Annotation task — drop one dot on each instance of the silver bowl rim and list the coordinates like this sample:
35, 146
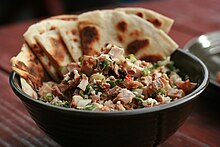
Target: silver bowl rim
196, 39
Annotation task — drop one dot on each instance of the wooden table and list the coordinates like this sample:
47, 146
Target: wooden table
192, 18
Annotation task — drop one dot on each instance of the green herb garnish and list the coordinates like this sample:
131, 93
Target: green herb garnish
81, 60
81, 93
139, 100
131, 57
104, 65
62, 103
170, 66
49, 97
90, 106
113, 83
88, 89
146, 71
140, 87
155, 65
161, 91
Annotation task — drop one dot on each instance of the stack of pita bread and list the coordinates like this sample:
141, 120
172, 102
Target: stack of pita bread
51, 44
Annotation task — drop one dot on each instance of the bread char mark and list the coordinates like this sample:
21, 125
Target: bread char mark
88, 36
151, 57
139, 14
122, 26
157, 23
137, 45
120, 38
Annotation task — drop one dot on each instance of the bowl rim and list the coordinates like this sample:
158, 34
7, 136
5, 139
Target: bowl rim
192, 41
158, 108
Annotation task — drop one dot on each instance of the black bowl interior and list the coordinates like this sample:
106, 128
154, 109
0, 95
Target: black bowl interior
152, 125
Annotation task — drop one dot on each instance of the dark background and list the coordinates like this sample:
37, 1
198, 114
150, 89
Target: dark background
20, 10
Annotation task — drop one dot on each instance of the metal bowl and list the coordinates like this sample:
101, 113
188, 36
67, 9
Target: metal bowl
207, 48
139, 127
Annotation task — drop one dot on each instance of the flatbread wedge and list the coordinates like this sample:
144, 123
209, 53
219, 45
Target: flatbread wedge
64, 17
53, 45
29, 37
28, 89
135, 35
158, 20
70, 35
28, 67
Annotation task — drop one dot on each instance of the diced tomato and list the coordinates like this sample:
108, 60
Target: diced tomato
128, 77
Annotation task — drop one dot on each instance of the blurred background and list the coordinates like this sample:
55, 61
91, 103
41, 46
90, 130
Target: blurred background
20, 10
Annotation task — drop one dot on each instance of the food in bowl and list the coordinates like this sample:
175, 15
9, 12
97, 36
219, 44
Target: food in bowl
138, 31
72, 127
136, 76
110, 81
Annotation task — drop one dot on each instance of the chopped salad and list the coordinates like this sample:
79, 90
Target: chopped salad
111, 81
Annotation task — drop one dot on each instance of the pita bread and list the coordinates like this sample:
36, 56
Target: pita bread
29, 37
145, 41
28, 67
62, 39
53, 45
158, 20
70, 34
65, 17
28, 89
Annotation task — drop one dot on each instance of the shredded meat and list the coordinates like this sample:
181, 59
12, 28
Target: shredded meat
83, 83
61, 89
88, 65
125, 96
175, 93
146, 80
116, 52
186, 86
133, 84
113, 92
156, 85
109, 81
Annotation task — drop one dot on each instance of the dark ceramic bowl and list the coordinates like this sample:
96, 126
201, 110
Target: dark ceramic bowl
131, 128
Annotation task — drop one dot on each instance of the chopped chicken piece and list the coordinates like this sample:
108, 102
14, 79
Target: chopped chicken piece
125, 96
146, 80
150, 102
186, 86
175, 93
116, 52
84, 82
119, 106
